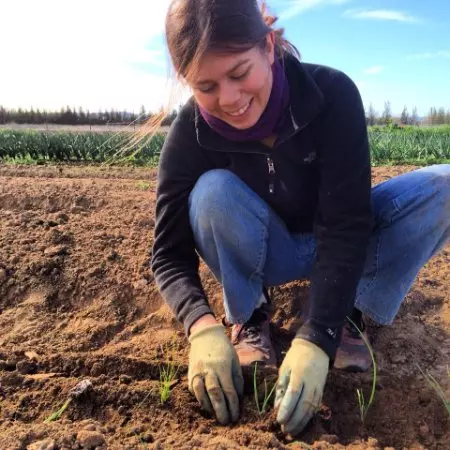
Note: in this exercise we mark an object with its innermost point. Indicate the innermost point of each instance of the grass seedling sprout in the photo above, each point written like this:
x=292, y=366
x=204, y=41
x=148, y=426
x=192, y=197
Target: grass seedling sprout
x=267, y=396
x=57, y=415
x=363, y=406
x=434, y=384
x=80, y=389
x=167, y=373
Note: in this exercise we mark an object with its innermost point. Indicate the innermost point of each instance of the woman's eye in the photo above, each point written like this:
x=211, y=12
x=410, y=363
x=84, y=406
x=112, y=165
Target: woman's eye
x=206, y=90
x=240, y=77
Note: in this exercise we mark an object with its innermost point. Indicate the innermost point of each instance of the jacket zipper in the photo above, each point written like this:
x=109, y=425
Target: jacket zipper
x=272, y=174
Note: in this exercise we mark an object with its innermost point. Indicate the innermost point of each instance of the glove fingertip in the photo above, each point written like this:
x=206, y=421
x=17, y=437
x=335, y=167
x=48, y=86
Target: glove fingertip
x=295, y=429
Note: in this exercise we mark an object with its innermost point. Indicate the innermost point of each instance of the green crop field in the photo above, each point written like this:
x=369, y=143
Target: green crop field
x=389, y=145
x=40, y=147
x=410, y=145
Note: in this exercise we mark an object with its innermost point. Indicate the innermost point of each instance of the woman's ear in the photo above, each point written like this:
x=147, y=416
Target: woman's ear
x=271, y=46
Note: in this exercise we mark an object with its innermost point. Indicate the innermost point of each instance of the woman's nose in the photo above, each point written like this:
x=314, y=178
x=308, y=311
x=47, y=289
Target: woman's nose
x=229, y=96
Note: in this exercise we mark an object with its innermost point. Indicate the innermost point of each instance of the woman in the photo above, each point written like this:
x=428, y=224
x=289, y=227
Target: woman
x=266, y=175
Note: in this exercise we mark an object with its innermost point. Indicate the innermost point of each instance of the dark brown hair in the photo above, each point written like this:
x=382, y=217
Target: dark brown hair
x=194, y=27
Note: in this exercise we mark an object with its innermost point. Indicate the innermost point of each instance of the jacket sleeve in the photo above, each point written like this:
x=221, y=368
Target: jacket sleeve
x=174, y=260
x=343, y=221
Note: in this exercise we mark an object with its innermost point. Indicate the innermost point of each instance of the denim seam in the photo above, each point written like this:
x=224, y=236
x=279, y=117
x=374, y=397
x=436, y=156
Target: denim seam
x=419, y=187
x=377, y=265
x=363, y=308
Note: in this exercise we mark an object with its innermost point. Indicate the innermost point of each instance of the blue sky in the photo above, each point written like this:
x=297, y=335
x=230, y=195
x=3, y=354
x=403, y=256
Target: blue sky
x=103, y=54
x=396, y=50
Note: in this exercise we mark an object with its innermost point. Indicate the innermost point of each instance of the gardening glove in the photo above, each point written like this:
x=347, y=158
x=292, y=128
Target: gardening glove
x=300, y=385
x=215, y=375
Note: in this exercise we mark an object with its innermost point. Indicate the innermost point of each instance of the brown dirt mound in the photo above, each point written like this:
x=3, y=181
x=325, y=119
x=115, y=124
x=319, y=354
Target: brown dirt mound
x=78, y=301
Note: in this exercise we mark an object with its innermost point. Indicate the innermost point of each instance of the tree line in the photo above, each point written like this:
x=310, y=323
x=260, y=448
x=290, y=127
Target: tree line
x=435, y=116
x=72, y=116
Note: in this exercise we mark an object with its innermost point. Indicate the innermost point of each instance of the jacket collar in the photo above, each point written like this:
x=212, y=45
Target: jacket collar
x=306, y=103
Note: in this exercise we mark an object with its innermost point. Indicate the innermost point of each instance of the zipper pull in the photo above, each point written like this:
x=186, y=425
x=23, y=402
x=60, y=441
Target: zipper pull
x=272, y=172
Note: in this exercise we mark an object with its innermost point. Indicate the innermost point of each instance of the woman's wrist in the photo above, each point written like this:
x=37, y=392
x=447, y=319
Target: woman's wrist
x=204, y=321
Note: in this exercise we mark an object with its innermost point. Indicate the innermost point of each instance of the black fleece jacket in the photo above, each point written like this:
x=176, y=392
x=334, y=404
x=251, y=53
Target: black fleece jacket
x=321, y=184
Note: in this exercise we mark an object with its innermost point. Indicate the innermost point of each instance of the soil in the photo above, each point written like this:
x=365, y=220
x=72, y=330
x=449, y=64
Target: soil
x=78, y=301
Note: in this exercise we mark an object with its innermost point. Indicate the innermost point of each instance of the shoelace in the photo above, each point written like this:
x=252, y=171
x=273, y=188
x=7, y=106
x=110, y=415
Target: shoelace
x=252, y=336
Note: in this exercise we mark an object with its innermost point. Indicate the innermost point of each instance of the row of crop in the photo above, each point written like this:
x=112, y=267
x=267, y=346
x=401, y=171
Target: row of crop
x=90, y=147
x=388, y=145
x=410, y=145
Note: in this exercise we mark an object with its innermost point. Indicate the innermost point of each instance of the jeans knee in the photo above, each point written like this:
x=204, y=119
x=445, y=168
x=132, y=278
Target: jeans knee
x=211, y=189
x=440, y=200
x=210, y=198
x=441, y=174
x=424, y=193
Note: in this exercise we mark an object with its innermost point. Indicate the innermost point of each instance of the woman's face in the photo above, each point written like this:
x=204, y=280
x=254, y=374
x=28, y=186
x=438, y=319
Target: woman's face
x=235, y=87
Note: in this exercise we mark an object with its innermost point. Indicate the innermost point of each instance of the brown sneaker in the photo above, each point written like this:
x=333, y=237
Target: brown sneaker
x=252, y=339
x=353, y=354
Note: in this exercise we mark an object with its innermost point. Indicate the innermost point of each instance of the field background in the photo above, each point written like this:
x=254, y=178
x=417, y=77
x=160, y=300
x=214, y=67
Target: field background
x=389, y=145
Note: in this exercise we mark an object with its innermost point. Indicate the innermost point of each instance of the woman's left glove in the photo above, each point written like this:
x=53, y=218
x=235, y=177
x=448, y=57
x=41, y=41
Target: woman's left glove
x=300, y=385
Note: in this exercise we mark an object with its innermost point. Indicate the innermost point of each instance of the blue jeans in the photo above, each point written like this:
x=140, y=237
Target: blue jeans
x=247, y=246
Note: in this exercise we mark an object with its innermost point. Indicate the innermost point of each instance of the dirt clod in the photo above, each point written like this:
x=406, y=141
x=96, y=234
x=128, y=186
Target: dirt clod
x=203, y=429
x=97, y=370
x=46, y=444
x=26, y=367
x=55, y=250
x=90, y=439
x=330, y=438
x=424, y=430
x=125, y=379
x=3, y=275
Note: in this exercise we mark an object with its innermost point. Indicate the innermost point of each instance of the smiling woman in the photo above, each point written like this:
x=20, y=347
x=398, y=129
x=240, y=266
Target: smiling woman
x=230, y=71
x=266, y=175
x=234, y=57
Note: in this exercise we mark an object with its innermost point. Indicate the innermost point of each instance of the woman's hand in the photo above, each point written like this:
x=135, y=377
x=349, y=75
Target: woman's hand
x=215, y=375
x=300, y=385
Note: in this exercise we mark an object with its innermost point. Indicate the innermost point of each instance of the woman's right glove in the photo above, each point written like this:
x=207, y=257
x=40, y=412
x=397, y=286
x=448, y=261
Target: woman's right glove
x=215, y=375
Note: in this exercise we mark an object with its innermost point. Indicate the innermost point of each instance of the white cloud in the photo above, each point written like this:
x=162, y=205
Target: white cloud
x=95, y=54
x=431, y=55
x=381, y=14
x=375, y=70
x=298, y=7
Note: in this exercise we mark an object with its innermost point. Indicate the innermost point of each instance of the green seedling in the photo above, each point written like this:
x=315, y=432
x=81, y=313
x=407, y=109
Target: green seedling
x=168, y=373
x=57, y=415
x=363, y=406
x=267, y=396
x=434, y=384
x=81, y=388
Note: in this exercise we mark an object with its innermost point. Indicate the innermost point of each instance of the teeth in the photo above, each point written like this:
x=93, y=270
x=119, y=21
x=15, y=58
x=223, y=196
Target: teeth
x=241, y=111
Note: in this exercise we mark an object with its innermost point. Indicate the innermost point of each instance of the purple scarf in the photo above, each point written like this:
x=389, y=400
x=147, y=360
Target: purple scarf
x=270, y=120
